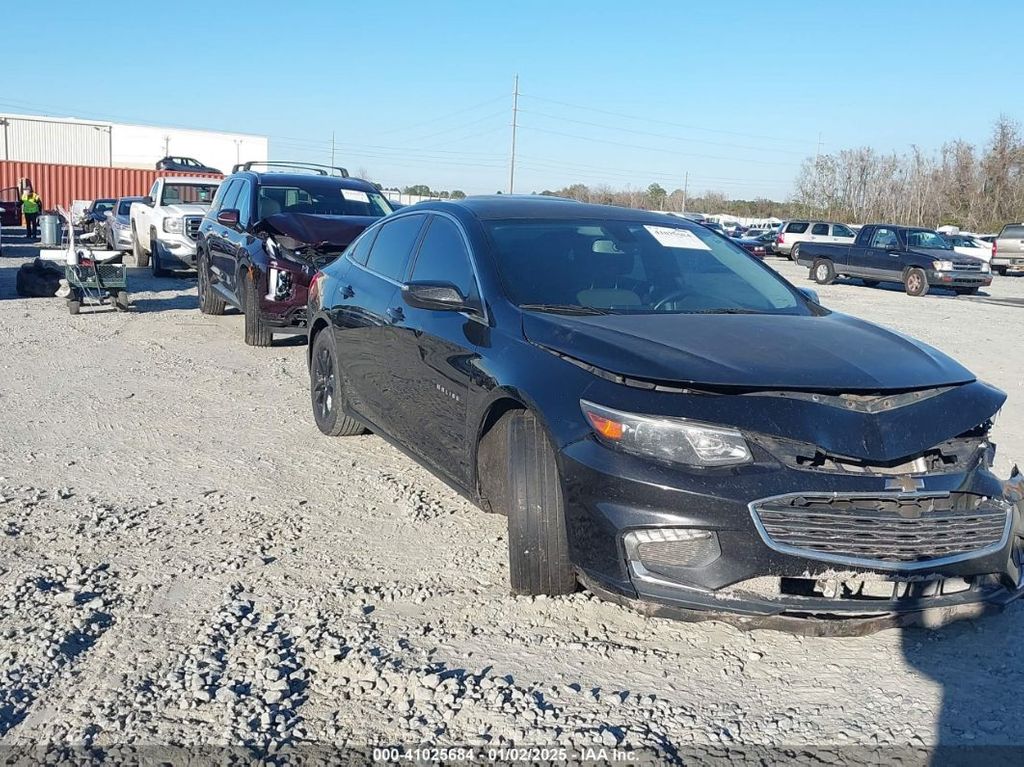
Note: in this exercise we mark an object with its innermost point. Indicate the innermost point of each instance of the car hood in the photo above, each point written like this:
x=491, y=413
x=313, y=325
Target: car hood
x=297, y=230
x=187, y=209
x=831, y=352
x=942, y=255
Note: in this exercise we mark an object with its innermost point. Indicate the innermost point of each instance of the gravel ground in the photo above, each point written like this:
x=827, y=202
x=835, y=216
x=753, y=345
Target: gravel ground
x=186, y=561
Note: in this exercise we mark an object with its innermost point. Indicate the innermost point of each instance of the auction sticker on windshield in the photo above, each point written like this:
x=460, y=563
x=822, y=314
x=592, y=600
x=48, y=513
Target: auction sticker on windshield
x=670, y=237
x=355, y=195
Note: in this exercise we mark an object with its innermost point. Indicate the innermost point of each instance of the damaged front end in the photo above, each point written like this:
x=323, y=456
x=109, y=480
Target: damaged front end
x=296, y=246
x=855, y=512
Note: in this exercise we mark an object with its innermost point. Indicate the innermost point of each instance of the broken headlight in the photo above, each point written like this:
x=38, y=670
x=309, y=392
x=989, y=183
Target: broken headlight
x=676, y=440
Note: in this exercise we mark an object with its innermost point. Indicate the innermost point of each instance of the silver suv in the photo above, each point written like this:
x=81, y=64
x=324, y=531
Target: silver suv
x=792, y=233
x=1008, y=249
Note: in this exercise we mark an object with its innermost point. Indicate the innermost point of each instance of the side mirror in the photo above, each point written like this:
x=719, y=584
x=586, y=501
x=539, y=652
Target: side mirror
x=439, y=296
x=148, y=200
x=811, y=295
x=228, y=217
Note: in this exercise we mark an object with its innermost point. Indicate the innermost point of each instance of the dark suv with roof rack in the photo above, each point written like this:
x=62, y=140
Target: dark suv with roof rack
x=267, y=234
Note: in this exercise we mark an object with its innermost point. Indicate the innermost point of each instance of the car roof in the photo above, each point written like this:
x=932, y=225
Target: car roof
x=338, y=182
x=190, y=179
x=503, y=206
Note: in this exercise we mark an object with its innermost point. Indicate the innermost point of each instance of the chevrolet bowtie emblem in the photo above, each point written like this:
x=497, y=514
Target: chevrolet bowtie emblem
x=904, y=484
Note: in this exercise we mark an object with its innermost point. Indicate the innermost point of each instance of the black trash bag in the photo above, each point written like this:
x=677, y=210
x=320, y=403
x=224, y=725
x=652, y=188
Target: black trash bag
x=39, y=279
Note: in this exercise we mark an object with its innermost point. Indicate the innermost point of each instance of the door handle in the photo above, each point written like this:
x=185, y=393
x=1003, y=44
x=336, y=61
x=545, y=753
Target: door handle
x=395, y=314
x=347, y=292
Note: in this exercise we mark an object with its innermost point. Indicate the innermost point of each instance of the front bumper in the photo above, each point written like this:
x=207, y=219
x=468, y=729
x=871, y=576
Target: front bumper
x=957, y=279
x=177, y=250
x=755, y=584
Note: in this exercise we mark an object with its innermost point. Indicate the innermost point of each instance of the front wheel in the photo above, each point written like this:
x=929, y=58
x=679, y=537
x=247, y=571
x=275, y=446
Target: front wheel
x=823, y=272
x=154, y=259
x=916, y=282
x=257, y=332
x=538, y=548
x=325, y=390
x=138, y=252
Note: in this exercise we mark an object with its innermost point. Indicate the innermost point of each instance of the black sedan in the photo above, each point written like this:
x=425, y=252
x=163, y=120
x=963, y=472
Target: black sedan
x=185, y=165
x=759, y=246
x=665, y=419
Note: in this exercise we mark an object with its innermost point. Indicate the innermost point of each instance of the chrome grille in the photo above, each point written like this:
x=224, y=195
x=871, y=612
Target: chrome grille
x=901, y=532
x=967, y=266
x=192, y=225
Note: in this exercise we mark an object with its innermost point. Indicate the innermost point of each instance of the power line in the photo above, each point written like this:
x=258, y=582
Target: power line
x=665, y=136
x=646, y=119
x=512, y=160
x=651, y=149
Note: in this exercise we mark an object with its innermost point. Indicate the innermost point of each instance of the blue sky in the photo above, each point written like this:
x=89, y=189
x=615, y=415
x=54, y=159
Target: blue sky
x=736, y=94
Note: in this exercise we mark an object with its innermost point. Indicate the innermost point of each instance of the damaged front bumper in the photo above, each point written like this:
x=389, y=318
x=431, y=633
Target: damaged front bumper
x=845, y=554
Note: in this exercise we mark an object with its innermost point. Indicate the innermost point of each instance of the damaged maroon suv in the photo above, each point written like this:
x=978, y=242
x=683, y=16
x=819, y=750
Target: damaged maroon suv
x=268, y=232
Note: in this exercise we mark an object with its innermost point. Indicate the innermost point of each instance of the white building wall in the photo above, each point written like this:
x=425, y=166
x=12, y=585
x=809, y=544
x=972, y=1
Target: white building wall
x=28, y=138
x=141, y=146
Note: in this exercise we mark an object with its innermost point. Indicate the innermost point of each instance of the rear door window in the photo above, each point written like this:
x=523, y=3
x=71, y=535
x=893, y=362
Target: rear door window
x=838, y=230
x=390, y=253
x=360, y=249
x=796, y=227
x=820, y=229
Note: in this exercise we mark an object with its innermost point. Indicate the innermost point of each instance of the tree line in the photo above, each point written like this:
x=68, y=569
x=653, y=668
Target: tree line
x=977, y=190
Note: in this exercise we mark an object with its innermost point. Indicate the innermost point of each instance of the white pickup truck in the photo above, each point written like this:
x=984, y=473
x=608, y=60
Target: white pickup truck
x=164, y=224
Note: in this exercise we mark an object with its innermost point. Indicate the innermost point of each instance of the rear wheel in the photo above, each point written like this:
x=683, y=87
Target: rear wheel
x=257, y=333
x=794, y=252
x=209, y=302
x=141, y=256
x=325, y=390
x=915, y=282
x=823, y=272
x=538, y=549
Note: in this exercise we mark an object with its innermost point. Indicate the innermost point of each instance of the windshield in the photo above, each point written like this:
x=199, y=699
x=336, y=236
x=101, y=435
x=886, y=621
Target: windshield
x=629, y=267
x=189, y=194
x=319, y=198
x=102, y=206
x=925, y=238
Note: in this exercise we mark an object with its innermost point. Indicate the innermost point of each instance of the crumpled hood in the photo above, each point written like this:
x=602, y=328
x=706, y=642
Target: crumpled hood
x=326, y=233
x=834, y=352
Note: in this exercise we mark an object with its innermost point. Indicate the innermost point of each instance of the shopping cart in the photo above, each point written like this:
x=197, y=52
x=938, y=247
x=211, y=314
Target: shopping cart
x=95, y=282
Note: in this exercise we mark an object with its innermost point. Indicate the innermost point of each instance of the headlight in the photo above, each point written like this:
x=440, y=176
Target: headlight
x=174, y=225
x=668, y=439
x=942, y=266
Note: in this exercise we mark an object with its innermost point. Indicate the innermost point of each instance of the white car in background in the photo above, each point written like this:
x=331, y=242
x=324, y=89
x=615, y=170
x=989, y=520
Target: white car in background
x=966, y=245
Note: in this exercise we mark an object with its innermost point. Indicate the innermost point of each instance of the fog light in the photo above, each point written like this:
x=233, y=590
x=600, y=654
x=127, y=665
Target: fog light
x=670, y=551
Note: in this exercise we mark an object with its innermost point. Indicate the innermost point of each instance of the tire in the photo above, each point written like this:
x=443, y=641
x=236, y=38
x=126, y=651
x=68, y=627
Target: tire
x=209, y=302
x=121, y=301
x=870, y=283
x=154, y=258
x=325, y=390
x=915, y=282
x=794, y=252
x=257, y=333
x=141, y=256
x=823, y=272
x=965, y=291
x=74, y=306
x=538, y=549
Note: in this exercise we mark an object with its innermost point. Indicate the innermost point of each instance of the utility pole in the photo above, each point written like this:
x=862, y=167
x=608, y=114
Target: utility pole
x=512, y=162
x=167, y=146
x=686, y=187
x=332, y=149
x=817, y=168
